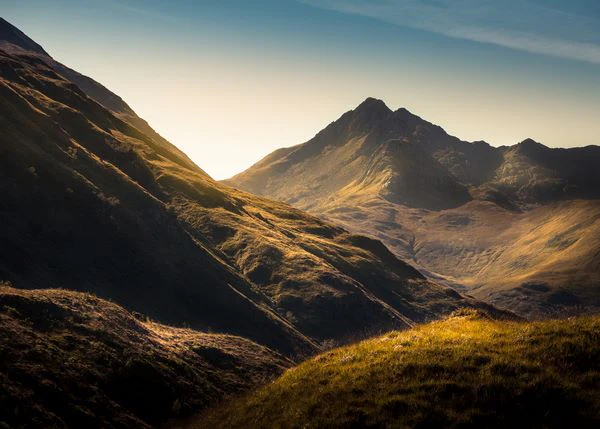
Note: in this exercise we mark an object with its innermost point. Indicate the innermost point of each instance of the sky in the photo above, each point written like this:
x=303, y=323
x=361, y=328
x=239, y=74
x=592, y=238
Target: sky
x=229, y=81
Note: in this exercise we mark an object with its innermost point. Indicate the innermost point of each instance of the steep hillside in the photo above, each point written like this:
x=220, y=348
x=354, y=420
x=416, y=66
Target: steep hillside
x=464, y=372
x=81, y=209
x=92, y=200
x=493, y=221
x=68, y=359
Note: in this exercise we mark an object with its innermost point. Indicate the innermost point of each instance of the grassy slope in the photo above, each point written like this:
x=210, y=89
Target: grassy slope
x=81, y=209
x=539, y=263
x=91, y=202
x=69, y=359
x=466, y=371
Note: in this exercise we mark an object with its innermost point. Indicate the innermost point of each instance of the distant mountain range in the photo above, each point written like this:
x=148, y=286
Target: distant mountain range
x=517, y=226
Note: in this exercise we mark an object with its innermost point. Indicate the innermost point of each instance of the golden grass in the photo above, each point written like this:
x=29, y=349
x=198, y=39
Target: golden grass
x=491, y=251
x=466, y=371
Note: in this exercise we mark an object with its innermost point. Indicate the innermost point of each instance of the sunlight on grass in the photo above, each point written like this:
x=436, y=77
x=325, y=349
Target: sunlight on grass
x=466, y=371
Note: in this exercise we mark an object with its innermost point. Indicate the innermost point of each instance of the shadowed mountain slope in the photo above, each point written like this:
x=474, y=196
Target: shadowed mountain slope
x=94, y=201
x=81, y=209
x=68, y=359
x=9, y=34
x=493, y=221
x=464, y=372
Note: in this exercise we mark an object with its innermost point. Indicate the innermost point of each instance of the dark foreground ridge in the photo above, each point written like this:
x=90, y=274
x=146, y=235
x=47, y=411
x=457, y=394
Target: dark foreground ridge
x=69, y=359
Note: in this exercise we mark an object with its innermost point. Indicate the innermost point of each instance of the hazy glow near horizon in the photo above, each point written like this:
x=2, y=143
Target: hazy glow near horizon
x=230, y=81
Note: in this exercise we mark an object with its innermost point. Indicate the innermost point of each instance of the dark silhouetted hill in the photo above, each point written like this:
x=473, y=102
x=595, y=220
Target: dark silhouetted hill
x=69, y=359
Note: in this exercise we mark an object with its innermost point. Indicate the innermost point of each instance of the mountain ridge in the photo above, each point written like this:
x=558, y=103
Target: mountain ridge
x=141, y=289
x=11, y=34
x=93, y=201
x=407, y=182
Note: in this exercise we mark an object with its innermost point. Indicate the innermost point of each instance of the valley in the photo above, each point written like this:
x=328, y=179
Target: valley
x=92, y=203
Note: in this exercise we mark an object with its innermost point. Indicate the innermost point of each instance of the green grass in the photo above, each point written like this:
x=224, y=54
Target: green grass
x=466, y=371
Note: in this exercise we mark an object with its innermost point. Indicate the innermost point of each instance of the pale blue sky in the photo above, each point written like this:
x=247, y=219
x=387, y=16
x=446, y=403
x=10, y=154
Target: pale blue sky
x=228, y=81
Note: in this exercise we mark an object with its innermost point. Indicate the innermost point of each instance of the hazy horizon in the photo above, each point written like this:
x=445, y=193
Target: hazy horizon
x=229, y=82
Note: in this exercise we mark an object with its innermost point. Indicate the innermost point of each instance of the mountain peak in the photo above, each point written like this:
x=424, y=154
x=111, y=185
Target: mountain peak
x=530, y=144
x=403, y=111
x=11, y=34
x=373, y=105
x=368, y=113
x=407, y=115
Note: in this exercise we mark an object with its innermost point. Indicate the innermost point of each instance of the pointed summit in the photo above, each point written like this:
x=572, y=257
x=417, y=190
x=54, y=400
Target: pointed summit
x=367, y=114
x=372, y=102
x=373, y=107
x=530, y=142
x=530, y=146
x=405, y=113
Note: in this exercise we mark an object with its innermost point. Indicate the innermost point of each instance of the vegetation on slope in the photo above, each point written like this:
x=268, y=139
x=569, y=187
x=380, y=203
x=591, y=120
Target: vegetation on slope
x=93, y=200
x=81, y=210
x=69, y=359
x=468, y=371
x=538, y=263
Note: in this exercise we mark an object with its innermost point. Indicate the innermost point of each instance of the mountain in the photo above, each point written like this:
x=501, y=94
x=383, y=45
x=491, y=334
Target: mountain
x=516, y=226
x=93, y=200
x=82, y=209
x=69, y=359
x=11, y=36
x=366, y=151
x=468, y=371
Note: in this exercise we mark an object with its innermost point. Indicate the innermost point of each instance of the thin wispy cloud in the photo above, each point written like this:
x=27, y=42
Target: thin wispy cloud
x=138, y=8
x=522, y=25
